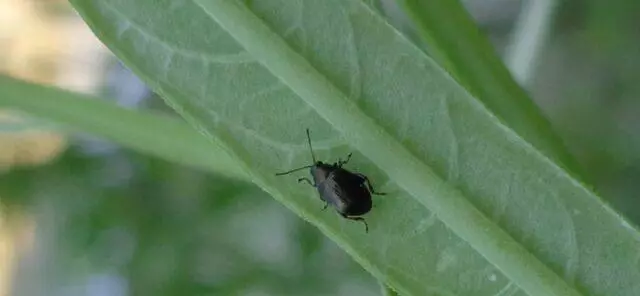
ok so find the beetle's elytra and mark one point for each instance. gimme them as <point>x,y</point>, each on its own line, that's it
<point>349,193</point>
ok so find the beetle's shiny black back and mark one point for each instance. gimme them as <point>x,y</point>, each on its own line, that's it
<point>345,191</point>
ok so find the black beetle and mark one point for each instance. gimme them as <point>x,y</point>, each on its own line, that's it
<point>349,193</point>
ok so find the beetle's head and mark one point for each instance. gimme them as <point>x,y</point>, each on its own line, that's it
<point>320,171</point>
<point>320,166</point>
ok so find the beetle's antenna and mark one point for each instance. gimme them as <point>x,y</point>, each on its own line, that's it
<point>294,170</point>
<point>313,156</point>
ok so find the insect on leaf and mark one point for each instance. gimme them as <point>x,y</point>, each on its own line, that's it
<point>473,209</point>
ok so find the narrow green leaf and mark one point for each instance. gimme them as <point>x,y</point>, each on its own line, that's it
<point>473,209</point>
<point>154,134</point>
<point>457,43</point>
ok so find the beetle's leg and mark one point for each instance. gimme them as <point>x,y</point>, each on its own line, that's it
<point>306,180</point>
<point>366,180</point>
<point>326,204</point>
<point>343,162</point>
<point>366,226</point>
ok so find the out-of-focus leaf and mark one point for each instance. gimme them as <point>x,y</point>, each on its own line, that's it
<point>460,46</point>
<point>158,135</point>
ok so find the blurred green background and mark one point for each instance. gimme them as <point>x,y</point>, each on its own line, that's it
<point>82,216</point>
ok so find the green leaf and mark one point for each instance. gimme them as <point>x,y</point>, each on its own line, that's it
<point>154,134</point>
<point>473,209</point>
<point>455,41</point>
